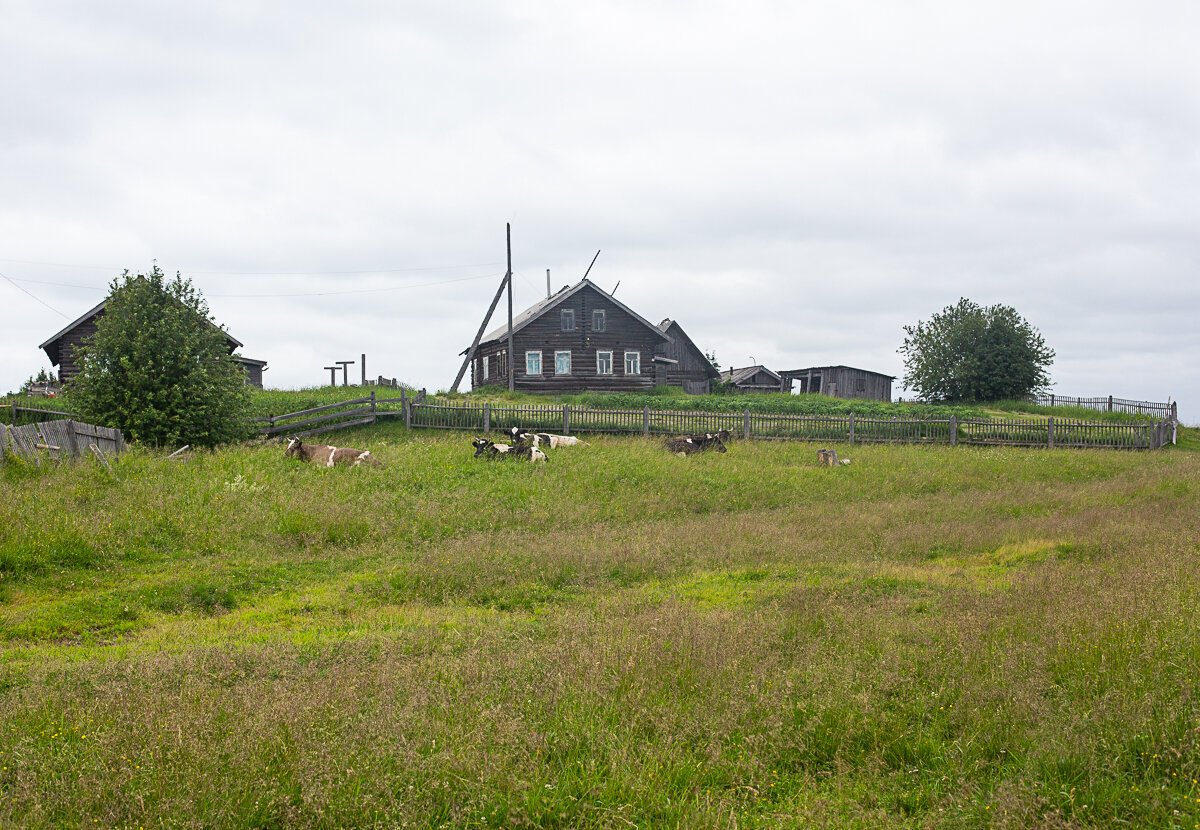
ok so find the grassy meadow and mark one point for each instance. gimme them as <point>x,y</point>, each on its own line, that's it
<point>928,637</point>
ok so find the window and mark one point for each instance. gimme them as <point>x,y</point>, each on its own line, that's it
<point>533,363</point>
<point>485,367</point>
<point>562,363</point>
<point>604,363</point>
<point>633,363</point>
<point>598,321</point>
<point>568,319</point>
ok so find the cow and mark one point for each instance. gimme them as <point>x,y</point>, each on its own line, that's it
<point>328,456</point>
<point>537,439</point>
<point>692,444</point>
<point>490,450</point>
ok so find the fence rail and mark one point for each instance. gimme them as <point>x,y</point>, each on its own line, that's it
<point>1051,432</point>
<point>1111,404</point>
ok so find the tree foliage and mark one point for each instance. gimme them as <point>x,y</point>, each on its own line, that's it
<point>159,369</point>
<point>970,353</point>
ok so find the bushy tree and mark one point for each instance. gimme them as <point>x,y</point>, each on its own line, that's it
<point>159,369</point>
<point>971,353</point>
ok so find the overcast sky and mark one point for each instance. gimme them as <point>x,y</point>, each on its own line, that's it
<point>792,182</point>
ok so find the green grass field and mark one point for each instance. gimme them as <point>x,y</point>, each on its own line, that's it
<point>929,637</point>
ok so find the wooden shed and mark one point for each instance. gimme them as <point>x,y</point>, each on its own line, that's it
<point>60,348</point>
<point>839,382</point>
<point>752,379</point>
<point>679,362</point>
<point>578,339</point>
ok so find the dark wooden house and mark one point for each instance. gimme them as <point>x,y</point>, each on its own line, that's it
<point>578,339</point>
<point>840,382</point>
<point>752,379</point>
<point>61,347</point>
<point>678,362</point>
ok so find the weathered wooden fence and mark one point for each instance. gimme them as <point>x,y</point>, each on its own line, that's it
<point>58,439</point>
<point>33,414</point>
<point>330,417</point>
<point>1050,432</point>
<point>1167,411</point>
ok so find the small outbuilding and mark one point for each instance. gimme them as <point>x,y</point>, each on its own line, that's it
<point>839,382</point>
<point>752,379</point>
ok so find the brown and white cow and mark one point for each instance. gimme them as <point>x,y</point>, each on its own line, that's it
<point>328,456</point>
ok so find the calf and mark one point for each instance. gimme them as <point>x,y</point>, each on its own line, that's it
<point>830,458</point>
<point>327,455</point>
<point>487,449</point>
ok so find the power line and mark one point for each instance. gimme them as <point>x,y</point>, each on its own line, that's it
<point>266,273</point>
<point>43,302</point>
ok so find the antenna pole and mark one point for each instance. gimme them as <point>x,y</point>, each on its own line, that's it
<point>547,283</point>
<point>589,270</point>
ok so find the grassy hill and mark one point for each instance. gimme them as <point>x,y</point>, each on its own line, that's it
<point>930,637</point>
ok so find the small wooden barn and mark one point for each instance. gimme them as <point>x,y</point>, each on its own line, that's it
<point>579,339</point>
<point>839,382</point>
<point>60,348</point>
<point>678,362</point>
<point>752,379</point>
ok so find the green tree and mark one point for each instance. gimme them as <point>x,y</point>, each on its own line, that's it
<point>159,369</point>
<point>971,353</point>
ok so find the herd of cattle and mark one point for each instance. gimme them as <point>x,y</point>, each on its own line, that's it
<point>522,446</point>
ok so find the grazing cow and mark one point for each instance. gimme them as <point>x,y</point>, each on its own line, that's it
<point>725,436</point>
<point>487,449</point>
<point>327,455</point>
<point>692,444</point>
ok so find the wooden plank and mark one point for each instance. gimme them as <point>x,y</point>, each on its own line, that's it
<point>3,441</point>
<point>317,409</point>
<point>282,428</point>
<point>332,427</point>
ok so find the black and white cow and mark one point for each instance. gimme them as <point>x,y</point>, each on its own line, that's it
<point>490,450</point>
<point>537,439</point>
<point>692,444</point>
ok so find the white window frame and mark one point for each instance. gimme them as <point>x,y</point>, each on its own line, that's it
<point>533,356</point>
<point>598,314</point>
<point>557,356</point>
<point>564,315</point>
<point>600,368</point>
<point>485,367</point>
<point>637,363</point>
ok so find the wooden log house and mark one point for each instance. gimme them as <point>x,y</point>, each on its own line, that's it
<point>839,382</point>
<point>61,348</point>
<point>578,339</point>
<point>679,362</point>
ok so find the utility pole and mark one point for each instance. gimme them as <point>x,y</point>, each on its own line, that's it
<point>488,316</point>
<point>332,376</point>
<point>345,364</point>
<point>364,370</point>
<point>511,358</point>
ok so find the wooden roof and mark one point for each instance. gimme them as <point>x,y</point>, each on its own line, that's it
<point>825,368</point>
<point>741,375</point>
<point>541,307</point>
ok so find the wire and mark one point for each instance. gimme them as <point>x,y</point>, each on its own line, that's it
<point>264,273</point>
<point>43,302</point>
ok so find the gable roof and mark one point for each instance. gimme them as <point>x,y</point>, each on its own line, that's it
<point>738,376</point>
<point>709,369</point>
<point>823,368</point>
<point>95,312</point>
<point>565,293</point>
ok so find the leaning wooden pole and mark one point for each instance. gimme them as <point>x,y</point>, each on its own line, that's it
<point>512,359</point>
<point>475,343</point>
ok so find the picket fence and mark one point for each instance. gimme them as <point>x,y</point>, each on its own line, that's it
<point>62,438</point>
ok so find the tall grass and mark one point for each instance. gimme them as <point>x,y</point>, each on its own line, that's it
<point>930,637</point>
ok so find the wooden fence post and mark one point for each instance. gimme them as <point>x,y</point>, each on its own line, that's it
<point>487,418</point>
<point>406,405</point>
<point>851,427</point>
<point>1050,432</point>
<point>1052,399</point>
<point>646,421</point>
<point>566,419</point>
<point>953,430</point>
<point>746,425</point>
<point>372,393</point>
<point>1110,403</point>
<point>3,441</point>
